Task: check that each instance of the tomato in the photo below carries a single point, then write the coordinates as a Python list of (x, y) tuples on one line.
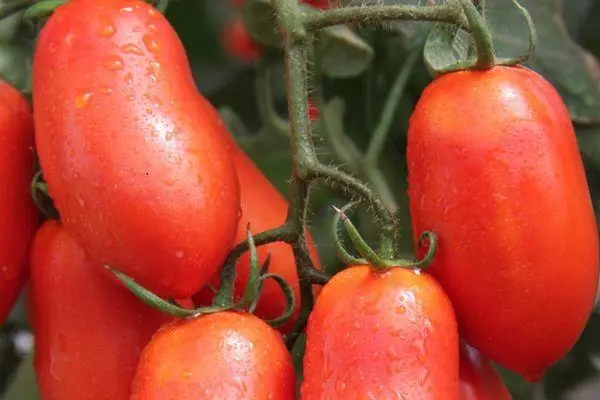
[(134, 157), (495, 171), (322, 4), (381, 335), (313, 111), (217, 356), (17, 212), (264, 208), (89, 332), (238, 43), (478, 378)]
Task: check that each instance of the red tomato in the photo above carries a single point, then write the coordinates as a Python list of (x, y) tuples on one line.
[(322, 4), (89, 332), (495, 171), (217, 356), (478, 378), (134, 157), (18, 215), (313, 111), (238, 43), (264, 208), (377, 335)]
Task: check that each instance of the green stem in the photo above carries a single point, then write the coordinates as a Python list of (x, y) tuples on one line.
[(481, 35), (264, 100), (389, 109), (377, 14)]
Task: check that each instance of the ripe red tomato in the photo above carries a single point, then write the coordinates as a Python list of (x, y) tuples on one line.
[(495, 171), (381, 335), (478, 378), (89, 332), (18, 215), (264, 208), (134, 157), (217, 356), (238, 43)]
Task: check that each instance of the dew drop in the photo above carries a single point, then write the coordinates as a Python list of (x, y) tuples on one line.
[(70, 39), (152, 27), (105, 90), (179, 254), (153, 70), (114, 63), (340, 386), (131, 48), (400, 309), (128, 78), (151, 43), (127, 9), (107, 29), (83, 100), (152, 12)]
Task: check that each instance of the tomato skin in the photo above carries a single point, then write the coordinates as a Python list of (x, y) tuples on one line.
[(238, 43), (264, 208), (381, 335), (17, 212), (498, 176), (133, 155), (217, 356), (89, 332), (478, 378)]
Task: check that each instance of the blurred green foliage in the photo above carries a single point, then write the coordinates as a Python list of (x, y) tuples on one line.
[(567, 55)]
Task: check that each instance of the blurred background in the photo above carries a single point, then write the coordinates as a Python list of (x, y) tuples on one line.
[(567, 55)]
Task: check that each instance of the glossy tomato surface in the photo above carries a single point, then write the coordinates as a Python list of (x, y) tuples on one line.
[(495, 172), (18, 216), (374, 335), (133, 155), (478, 378), (217, 356), (264, 208), (89, 332)]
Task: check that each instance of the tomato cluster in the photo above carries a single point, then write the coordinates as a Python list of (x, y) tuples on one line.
[(147, 180)]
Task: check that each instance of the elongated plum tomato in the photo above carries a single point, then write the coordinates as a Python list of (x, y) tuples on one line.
[(134, 156), (375, 335), (264, 208), (89, 332), (478, 378), (18, 215), (217, 356), (497, 174)]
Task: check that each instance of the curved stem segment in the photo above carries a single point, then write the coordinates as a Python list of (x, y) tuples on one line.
[(377, 14), (481, 35)]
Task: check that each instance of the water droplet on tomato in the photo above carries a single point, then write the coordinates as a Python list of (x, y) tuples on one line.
[(152, 12), (131, 48), (340, 385), (70, 39), (127, 9), (106, 90), (179, 254), (128, 78), (81, 201), (114, 63), (151, 43), (83, 100), (151, 27), (107, 29)]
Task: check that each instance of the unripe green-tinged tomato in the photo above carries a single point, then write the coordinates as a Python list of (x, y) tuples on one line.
[(495, 172), (264, 208), (134, 157), (381, 335), (217, 356), (238, 43), (89, 332), (478, 378), (18, 216)]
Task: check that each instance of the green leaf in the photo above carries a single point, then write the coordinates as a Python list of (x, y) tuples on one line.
[(24, 385), (572, 71), (447, 45), (341, 53), (259, 18)]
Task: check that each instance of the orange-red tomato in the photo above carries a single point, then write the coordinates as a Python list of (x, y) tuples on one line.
[(478, 378), (89, 332), (264, 208), (381, 335), (217, 356), (18, 216), (495, 171), (238, 43), (134, 157)]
